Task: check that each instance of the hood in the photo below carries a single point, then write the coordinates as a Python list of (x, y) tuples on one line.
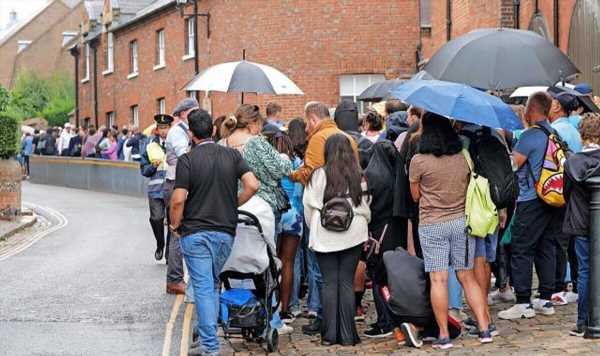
[(395, 124), (346, 116)]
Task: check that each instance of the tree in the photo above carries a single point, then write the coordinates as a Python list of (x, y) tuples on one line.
[(4, 98), (30, 95)]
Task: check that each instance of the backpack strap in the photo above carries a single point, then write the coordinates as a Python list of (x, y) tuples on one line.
[(467, 156)]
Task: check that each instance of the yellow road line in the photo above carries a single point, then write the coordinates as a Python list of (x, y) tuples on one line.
[(185, 337), (169, 328)]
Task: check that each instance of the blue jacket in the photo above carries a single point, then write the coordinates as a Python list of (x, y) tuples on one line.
[(156, 175)]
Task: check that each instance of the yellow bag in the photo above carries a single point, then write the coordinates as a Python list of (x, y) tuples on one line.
[(155, 152), (481, 213)]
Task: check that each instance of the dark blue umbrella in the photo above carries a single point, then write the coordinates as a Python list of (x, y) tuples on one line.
[(458, 101)]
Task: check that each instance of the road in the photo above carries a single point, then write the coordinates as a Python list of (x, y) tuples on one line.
[(90, 288)]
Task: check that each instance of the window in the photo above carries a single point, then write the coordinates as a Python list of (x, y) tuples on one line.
[(159, 57), (133, 58), (191, 94), (109, 54), (21, 45), (351, 86), (135, 116), (190, 37), (110, 118), (161, 105), (86, 62), (86, 122), (425, 13)]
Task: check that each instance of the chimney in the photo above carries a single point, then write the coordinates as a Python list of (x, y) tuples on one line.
[(12, 18)]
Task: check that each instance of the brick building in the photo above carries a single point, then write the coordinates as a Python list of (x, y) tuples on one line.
[(40, 43), (136, 56)]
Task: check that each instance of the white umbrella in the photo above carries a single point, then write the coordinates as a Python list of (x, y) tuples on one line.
[(244, 77), (525, 92)]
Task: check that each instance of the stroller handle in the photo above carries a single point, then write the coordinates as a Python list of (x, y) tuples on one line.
[(252, 217)]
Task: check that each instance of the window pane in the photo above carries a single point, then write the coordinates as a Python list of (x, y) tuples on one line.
[(346, 85), (425, 13)]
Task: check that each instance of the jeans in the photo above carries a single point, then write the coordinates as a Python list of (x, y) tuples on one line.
[(455, 291), (294, 304), (582, 249), (205, 253), (534, 232), (315, 281)]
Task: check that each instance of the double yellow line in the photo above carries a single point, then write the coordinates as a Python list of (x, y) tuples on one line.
[(185, 334)]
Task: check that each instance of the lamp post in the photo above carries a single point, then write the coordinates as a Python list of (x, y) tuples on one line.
[(593, 328)]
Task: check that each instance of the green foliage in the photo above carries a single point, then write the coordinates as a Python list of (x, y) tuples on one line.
[(62, 101), (9, 136), (4, 98), (30, 94)]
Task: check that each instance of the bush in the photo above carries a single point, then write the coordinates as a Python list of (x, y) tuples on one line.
[(30, 95), (4, 98), (9, 136)]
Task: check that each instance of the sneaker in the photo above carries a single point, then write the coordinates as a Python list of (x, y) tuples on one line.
[(377, 332), (309, 314), (285, 329), (485, 337), (313, 328), (399, 336), (571, 297), (296, 313), (360, 314), (412, 336), (287, 317), (497, 296), (578, 331), (543, 306), (517, 311), (458, 314), (559, 299), (442, 344), (470, 323), (474, 332)]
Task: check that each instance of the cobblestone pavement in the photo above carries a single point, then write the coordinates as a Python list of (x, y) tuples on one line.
[(543, 335)]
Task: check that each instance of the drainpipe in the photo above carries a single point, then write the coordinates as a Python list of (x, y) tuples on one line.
[(537, 7), (94, 45), (517, 13), (556, 25), (196, 54), (448, 20), (75, 53)]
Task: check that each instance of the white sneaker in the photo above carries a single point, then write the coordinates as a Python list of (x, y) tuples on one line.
[(544, 307), (285, 329), (508, 296), (571, 297), (517, 311), (559, 299)]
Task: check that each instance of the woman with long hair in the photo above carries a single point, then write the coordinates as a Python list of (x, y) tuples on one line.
[(439, 177), (337, 252)]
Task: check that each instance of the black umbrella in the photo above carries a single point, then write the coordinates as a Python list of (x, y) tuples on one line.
[(380, 90), (496, 59)]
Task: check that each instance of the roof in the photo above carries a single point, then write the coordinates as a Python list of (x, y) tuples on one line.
[(71, 3), (152, 7), (131, 6), (16, 28), (94, 8)]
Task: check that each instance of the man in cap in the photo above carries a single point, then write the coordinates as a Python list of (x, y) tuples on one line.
[(63, 140), (153, 166), (177, 144)]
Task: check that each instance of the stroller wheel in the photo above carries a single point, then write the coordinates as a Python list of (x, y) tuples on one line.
[(272, 340)]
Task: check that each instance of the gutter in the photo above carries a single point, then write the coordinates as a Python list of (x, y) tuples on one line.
[(448, 20), (137, 19)]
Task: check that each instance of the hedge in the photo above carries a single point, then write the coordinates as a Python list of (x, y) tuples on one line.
[(9, 136)]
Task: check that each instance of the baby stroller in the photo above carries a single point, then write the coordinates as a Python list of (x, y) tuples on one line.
[(251, 279)]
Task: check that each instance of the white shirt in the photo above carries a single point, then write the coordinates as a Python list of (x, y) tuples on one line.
[(177, 144), (63, 141)]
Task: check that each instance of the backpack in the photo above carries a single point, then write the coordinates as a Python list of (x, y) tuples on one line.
[(492, 161), (481, 213), (337, 214), (550, 186)]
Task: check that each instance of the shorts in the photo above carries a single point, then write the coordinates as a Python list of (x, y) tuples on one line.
[(292, 223), (487, 247), (447, 245)]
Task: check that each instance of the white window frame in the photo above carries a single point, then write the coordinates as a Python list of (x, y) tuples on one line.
[(133, 58), (190, 39), (354, 89), (110, 116), (162, 105), (191, 94), (110, 54), (135, 115), (160, 43), (86, 58)]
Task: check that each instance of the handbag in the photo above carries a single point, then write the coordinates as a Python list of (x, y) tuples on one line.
[(372, 248), (283, 201)]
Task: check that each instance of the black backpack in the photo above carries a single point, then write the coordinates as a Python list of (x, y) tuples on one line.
[(492, 161), (337, 214)]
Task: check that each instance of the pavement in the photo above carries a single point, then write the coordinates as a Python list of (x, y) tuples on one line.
[(11, 227), (83, 281)]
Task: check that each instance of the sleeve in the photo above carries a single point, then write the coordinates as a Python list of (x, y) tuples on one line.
[(182, 175), (416, 169), (313, 195), (525, 145), (241, 167), (312, 161), (277, 166), (146, 167), (179, 142)]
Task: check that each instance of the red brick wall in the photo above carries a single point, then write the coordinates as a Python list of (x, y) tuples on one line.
[(313, 42), (546, 7)]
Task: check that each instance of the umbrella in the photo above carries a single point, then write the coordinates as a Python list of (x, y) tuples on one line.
[(422, 75), (380, 90), (458, 101), (243, 77), (496, 59)]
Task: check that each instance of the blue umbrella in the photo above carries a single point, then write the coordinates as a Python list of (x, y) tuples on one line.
[(458, 101)]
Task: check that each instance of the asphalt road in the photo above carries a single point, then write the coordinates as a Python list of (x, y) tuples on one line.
[(90, 288)]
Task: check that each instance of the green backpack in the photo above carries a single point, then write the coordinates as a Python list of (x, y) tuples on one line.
[(481, 213)]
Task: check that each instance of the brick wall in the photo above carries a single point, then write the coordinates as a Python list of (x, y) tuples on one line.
[(10, 187), (546, 8), (313, 42)]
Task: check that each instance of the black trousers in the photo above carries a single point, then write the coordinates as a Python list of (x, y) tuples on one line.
[(534, 232), (157, 220), (337, 295), (565, 248)]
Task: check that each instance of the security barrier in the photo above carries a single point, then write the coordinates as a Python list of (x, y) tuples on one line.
[(91, 174)]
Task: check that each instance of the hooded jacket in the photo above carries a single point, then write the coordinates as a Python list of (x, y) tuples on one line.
[(381, 178), (346, 119), (396, 123), (578, 168)]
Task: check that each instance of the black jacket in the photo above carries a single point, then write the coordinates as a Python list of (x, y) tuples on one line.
[(578, 168)]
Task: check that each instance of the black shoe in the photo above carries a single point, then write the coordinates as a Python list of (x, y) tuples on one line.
[(287, 317), (376, 332), (158, 254), (313, 328), (578, 331)]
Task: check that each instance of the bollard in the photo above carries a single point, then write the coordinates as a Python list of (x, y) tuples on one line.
[(593, 329)]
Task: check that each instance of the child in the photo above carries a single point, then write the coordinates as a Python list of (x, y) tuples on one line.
[(579, 168)]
